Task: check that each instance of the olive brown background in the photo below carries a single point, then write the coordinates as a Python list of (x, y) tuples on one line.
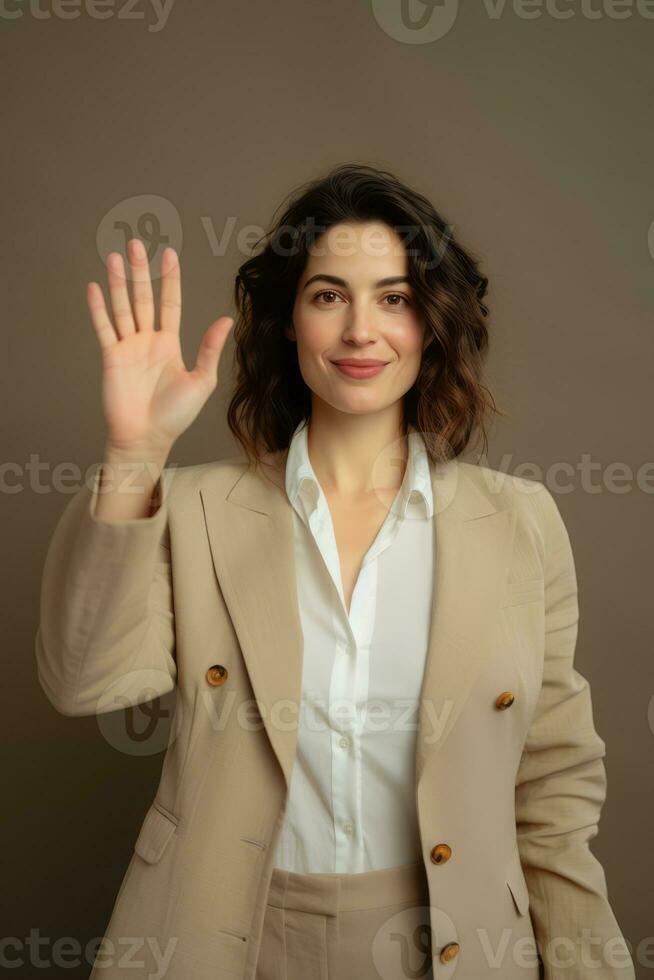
[(529, 125)]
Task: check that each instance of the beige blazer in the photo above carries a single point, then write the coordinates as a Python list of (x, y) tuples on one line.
[(199, 599)]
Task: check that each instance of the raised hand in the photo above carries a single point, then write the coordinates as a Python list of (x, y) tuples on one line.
[(149, 397)]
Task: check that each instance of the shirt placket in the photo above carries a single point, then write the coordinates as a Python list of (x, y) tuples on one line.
[(349, 683)]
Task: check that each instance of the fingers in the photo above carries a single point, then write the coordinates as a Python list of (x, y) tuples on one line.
[(126, 320), (101, 323), (120, 303), (211, 348), (143, 299), (171, 291), (128, 317)]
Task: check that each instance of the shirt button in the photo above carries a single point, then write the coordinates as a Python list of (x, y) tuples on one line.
[(348, 828), (344, 742)]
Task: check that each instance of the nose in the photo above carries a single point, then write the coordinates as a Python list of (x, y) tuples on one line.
[(359, 329)]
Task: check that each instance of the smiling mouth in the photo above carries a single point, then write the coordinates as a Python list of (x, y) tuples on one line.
[(360, 369)]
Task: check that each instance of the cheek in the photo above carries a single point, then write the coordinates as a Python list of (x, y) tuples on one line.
[(409, 341), (309, 351), (313, 338)]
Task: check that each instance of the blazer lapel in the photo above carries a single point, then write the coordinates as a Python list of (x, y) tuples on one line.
[(251, 536)]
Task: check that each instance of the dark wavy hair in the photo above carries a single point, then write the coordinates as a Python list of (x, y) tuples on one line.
[(448, 401)]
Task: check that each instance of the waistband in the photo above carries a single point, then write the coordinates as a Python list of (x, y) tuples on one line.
[(329, 894)]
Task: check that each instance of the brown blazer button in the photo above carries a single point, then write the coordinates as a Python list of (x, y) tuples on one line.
[(440, 853), (448, 952), (504, 700), (217, 675)]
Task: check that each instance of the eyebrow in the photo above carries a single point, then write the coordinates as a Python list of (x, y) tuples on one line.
[(337, 281)]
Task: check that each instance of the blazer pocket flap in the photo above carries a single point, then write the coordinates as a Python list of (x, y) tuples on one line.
[(515, 879), (529, 590), (157, 829)]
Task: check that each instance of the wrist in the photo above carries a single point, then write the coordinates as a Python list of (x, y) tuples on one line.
[(131, 472), (149, 455)]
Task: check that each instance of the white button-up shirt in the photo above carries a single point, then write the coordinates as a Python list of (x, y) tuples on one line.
[(351, 805)]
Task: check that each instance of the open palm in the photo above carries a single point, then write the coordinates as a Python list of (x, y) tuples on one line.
[(149, 397)]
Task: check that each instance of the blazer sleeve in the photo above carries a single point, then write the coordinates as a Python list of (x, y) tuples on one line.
[(106, 636), (560, 790)]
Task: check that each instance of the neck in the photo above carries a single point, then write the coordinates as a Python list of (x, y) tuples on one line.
[(353, 454)]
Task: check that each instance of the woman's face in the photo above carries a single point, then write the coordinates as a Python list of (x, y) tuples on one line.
[(354, 304)]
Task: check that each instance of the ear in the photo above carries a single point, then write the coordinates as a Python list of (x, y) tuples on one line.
[(289, 332)]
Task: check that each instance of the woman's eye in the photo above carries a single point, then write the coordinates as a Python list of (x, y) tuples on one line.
[(326, 292), (397, 296)]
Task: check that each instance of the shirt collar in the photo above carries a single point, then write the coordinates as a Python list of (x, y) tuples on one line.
[(300, 476), (415, 497)]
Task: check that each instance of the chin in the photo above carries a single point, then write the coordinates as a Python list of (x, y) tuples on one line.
[(358, 406)]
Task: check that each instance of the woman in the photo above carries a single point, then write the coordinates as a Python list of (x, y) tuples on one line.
[(384, 762)]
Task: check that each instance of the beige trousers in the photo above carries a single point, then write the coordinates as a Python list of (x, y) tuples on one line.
[(369, 926)]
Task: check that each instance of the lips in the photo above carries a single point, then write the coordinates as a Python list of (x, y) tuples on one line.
[(355, 367)]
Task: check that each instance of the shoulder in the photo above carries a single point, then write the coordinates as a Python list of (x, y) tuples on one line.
[(541, 539), (534, 504), (504, 490), (222, 474)]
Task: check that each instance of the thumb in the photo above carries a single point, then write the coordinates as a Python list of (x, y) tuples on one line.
[(211, 347)]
